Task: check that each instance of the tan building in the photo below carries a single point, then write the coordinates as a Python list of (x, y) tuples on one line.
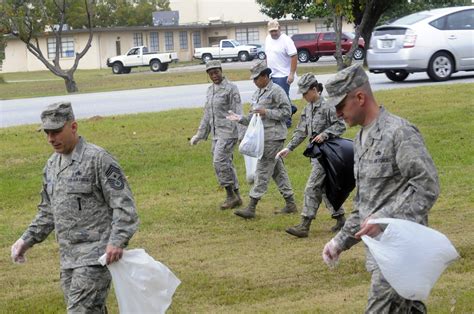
[(201, 23), (204, 11)]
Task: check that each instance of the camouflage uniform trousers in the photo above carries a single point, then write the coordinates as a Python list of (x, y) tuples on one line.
[(314, 193), (268, 167), (383, 299), (222, 158), (85, 289)]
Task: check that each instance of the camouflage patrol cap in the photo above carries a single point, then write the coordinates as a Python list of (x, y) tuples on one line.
[(56, 115), (305, 82), (213, 64), (344, 82), (258, 68)]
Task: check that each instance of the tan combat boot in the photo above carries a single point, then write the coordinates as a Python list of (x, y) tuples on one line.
[(233, 198), (249, 211), (301, 230), (290, 206), (339, 223)]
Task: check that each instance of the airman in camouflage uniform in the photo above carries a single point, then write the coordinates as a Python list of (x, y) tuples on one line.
[(395, 178), (271, 102), (222, 97), (87, 201), (319, 122)]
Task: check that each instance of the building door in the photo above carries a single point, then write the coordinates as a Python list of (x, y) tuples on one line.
[(117, 48)]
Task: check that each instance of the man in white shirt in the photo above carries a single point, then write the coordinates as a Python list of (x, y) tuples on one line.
[(281, 59)]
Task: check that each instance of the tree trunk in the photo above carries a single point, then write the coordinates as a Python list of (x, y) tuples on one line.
[(366, 35), (338, 30), (70, 83)]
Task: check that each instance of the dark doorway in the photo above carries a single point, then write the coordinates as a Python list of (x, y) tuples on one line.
[(117, 48)]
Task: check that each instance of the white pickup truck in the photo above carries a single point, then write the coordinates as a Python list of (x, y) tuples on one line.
[(227, 49), (139, 56)]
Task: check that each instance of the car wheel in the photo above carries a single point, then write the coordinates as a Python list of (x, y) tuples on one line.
[(243, 56), (359, 54), (155, 65), (314, 59), (164, 67), (262, 55), (117, 68), (206, 58), (303, 56), (441, 67), (397, 75), (126, 70)]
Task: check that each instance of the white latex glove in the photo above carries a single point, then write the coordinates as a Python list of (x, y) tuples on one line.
[(18, 250), (283, 153), (194, 140), (331, 253), (233, 116)]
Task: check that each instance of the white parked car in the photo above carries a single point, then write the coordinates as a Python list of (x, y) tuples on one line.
[(439, 42), (140, 56), (260, 51)]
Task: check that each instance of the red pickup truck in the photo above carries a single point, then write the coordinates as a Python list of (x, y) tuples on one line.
[(311, 46)]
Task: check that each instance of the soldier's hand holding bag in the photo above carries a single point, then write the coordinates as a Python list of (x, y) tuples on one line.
[(253, 142)]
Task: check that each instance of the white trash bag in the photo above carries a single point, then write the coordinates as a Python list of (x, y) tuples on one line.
[(142, 285), (410, 256), (250, 168), (253, 141)]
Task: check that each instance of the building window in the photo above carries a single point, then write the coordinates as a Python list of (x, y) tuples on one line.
[(183, 40), (169, 43), (137, 39), (197, 40), (322, 26), (247, 35), (154, 41), (290, 29), (66, 50)]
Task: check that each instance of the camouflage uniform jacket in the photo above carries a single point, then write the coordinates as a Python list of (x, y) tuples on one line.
[(315, 119), (89, 204), (278, 110), (395, 176), (220, 99)]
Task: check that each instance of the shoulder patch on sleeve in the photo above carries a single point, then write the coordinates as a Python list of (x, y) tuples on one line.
[(115, 178)]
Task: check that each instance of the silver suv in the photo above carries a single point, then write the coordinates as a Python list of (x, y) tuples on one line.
[(439, 41)]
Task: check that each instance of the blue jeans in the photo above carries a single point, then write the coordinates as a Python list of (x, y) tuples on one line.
[(283, 83)]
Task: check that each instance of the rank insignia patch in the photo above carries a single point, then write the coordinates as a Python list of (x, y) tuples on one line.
[(115, 178)]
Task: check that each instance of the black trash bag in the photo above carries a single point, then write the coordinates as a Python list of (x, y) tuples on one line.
[(336, 155)]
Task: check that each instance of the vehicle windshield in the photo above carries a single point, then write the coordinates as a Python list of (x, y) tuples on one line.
[(411, 19), (235, 42), (349, 34)]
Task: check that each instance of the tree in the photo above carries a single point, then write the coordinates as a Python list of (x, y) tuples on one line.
[(366, 15), (127, 13), (3, 44), (28, 20)]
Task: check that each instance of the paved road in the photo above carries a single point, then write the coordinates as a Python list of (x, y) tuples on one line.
[(27, 111)]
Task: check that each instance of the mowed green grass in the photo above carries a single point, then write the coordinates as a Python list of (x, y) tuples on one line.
[(226, 264), (44, 83)]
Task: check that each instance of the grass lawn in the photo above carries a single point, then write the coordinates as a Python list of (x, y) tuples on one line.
[(226, 264), (44, 83)]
